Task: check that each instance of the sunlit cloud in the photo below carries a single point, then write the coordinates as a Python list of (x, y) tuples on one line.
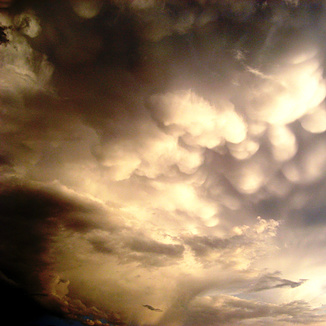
[(163, 162)]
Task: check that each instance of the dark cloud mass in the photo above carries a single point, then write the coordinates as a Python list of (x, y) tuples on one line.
[(163, 154), (151, 308)]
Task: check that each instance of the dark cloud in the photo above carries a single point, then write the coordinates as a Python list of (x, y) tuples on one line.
[(15, 298), (123, 243), (152, 308), (151, 246), (274, 281), (3, 36), (201, 245), (33, 215), (101, 246), (29, 217), (37, 216), (149, 252)]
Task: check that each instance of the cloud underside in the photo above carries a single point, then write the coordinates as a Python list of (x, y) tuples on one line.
[(164, 154), (80, 241)]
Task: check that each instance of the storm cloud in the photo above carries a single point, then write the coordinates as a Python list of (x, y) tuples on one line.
[(165, 154)]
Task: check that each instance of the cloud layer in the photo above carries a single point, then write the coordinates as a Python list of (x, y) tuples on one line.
[(162, 162)]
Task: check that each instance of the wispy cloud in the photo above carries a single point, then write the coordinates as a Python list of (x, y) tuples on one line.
[(152, 308)]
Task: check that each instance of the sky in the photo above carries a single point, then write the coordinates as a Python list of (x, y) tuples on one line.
[(162, 162)]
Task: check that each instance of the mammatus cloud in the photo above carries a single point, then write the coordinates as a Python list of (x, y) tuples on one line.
[(164, 154)]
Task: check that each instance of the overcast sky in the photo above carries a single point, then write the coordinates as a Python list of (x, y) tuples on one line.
[(163, 163)]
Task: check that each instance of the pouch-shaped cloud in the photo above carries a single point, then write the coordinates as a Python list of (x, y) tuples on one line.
[(285, 96), (85, 8), (286, 88), (314, 121), (149, 157), (284, 144), (196, 121), (140, 140)]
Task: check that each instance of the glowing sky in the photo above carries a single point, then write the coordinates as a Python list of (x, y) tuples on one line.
[(163, 163)]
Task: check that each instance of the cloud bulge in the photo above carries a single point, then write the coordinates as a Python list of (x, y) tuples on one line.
[(166, 158)]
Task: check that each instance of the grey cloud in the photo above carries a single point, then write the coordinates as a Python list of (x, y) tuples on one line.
[(152, 308), (274, 281), (252, 243), (101, 246), (40, 218), (201, 245), (33, 215), (155, 247), (123, 244), (228, 309), (145, 259), (3, 36)]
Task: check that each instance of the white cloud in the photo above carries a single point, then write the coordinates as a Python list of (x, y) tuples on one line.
[(196, 121), (284, 144)]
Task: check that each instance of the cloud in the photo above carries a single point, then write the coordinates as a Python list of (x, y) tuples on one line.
[(86, 9), (3, 36), (273, 281), (152, 308), (155, 247), (226, 309), (197, 122), (250, 242), (140, 141), (43, 211)]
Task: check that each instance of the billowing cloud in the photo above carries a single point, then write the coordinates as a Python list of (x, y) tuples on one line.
[(164, 154)]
